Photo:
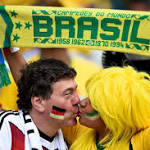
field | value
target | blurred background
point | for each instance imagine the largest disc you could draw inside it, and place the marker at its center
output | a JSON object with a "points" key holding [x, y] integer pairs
{"points": [[79, 58]]}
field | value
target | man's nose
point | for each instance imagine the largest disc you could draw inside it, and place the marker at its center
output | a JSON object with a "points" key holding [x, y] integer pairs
{"points": [[76, 99]]}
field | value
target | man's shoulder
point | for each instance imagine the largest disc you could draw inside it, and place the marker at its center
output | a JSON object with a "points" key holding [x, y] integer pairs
{"points": [[8, 116]]}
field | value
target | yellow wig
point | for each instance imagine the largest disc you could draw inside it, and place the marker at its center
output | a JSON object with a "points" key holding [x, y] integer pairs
{"points": [[122, 98]]}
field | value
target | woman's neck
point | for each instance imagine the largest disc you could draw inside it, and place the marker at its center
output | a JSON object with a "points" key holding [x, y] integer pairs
{"points": [[101, 133]]}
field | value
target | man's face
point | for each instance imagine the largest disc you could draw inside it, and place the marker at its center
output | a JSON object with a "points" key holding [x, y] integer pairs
{"points": [[65, 96]]}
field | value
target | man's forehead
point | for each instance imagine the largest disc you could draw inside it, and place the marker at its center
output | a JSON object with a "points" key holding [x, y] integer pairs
{"points": [[65, 83]]}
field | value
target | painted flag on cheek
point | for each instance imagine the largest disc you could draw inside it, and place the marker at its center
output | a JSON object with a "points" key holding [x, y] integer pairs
{"points": [[92, 116], [57, 113]]}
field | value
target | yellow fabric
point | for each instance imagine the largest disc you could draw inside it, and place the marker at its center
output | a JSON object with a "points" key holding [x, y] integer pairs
{"points": [[85, 139], [8, 95], [80, 137], [80, 50], [103, 29], [86, 3], [72, 133], [88, 144]]}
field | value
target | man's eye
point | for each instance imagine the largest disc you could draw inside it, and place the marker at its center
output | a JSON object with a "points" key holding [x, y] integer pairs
{"points": [[67, 94]]}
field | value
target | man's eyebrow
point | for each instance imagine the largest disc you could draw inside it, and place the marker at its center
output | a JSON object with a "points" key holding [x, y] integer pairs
{"points": [[70, 89]]}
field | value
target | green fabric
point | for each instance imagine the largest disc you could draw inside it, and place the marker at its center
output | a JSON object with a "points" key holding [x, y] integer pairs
{"points": [[99, 147], [4, 78]]}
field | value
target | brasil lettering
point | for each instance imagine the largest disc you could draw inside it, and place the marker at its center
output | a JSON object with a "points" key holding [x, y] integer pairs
{"points": [[115, 30], [92, 27]]}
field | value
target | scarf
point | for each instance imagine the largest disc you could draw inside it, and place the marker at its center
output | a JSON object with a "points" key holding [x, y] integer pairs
{"points": [[103, 29], [4, 78]]}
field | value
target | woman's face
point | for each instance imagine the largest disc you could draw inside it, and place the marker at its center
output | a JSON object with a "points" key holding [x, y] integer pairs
{"points": [[88, 116]]}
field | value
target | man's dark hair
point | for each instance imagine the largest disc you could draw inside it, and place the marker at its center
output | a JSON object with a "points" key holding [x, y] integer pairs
{"points": [[38, 78]]}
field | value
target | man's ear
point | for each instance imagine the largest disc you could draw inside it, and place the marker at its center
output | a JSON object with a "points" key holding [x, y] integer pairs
{"points": [[38, 103]]}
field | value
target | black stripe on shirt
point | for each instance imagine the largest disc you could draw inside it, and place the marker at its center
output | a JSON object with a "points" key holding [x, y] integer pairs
{"points": [[46, 137], [30, 131], [4, 114], [25, 119]]}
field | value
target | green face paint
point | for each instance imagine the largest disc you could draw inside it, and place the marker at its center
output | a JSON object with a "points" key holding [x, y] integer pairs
{"points": [[92, 116]]}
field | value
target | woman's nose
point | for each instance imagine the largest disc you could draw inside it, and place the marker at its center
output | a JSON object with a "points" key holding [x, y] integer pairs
{"points": [[84, 103], [85, 106]]}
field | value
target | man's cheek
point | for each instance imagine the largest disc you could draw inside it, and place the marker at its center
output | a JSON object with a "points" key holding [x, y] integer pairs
{"points": [[57, 112], [68, 107]]}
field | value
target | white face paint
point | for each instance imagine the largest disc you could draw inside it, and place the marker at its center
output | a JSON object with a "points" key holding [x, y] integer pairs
{"points": [[82, 98]]}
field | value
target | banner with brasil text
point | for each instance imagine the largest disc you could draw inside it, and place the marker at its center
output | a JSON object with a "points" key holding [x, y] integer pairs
{"points": [[114, 30]]}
